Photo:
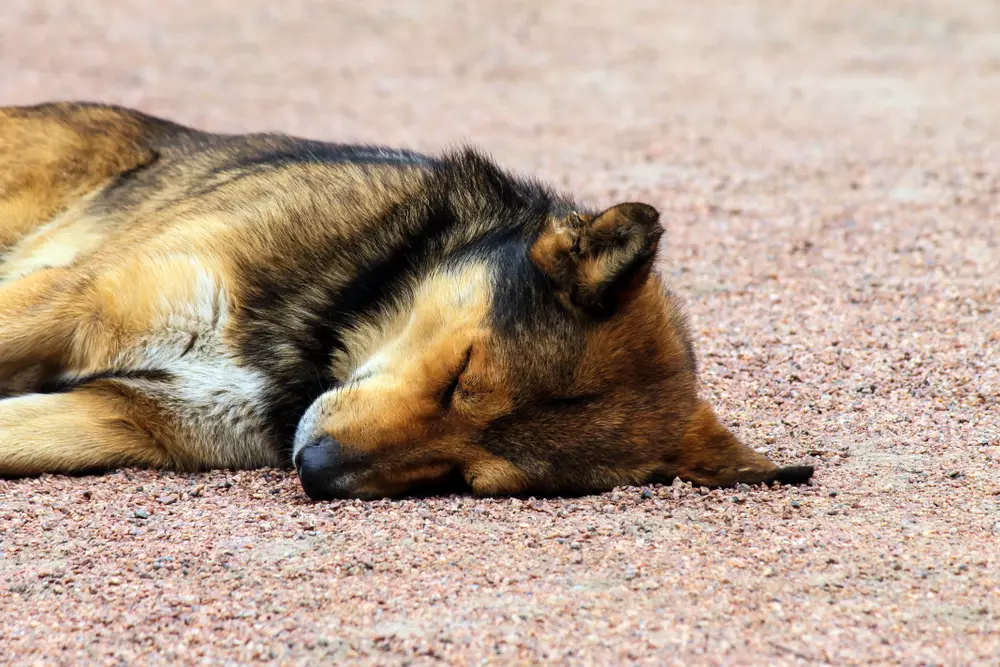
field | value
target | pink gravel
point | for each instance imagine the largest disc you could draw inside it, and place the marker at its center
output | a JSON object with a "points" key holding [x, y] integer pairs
{"points": [[828, 173]]}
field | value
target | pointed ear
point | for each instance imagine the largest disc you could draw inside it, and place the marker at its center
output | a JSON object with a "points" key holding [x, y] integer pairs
{"points": [[595, 261]]}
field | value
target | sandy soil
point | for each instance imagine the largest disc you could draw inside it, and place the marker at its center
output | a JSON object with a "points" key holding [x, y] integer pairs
{"points": [[828, 173]]}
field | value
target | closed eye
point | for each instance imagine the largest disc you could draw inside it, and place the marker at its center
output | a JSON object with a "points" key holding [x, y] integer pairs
{"points": [[448, 395], [569, 402]]}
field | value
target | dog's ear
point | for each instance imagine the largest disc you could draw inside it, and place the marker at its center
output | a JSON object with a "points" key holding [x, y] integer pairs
{"points": [[595, 261]]}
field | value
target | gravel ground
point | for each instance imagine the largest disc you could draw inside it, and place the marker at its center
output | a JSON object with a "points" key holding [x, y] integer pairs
{"points": [[828, 172]]}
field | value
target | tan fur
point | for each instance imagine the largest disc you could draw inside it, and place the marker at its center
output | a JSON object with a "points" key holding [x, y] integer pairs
{"points": [[49, 160], [98, 427]]}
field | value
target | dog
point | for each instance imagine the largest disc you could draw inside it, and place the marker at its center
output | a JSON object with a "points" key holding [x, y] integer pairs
{"points": [[380, 319]]}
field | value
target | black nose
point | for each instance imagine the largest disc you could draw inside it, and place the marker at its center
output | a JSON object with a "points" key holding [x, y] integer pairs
{"points": [[319, 464]]}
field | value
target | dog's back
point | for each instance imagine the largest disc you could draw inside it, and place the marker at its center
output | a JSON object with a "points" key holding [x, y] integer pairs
{"points": [[387, 319], [79, 159]]}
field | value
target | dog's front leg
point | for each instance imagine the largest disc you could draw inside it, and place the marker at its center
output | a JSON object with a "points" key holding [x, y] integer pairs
{"points": [[95, 427], [39, 314]]}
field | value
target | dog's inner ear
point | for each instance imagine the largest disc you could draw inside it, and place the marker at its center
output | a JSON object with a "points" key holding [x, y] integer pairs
{"points": [[596, 261]]}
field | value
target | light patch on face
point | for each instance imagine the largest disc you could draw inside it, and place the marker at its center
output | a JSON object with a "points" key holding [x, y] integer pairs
{"points": [[395, 371], [446, 299]]}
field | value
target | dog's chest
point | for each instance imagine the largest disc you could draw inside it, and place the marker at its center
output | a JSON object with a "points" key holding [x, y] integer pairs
{"points": [[215, 399]]}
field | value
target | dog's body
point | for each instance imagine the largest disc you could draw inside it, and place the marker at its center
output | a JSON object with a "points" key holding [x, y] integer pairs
{"points": [[185, 300]]}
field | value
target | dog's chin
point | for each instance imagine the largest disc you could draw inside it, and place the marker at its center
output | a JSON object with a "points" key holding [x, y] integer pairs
{"points": [[452, 484], [352, 487]]}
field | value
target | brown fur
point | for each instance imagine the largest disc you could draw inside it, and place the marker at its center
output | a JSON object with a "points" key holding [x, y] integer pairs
{"points": [[178, 299]]}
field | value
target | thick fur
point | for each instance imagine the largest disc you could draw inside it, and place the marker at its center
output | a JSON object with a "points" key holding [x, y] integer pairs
{"points": [[384, 319]]}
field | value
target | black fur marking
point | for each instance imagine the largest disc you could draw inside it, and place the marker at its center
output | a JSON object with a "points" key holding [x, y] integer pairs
{"points": [[130, 174], [519, 287], [190, 345], [64, 385], [570, 402], [303, 151], [290, 150]]}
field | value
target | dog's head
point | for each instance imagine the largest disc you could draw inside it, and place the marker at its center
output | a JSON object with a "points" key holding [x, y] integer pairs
{"points": [[548, 365]]}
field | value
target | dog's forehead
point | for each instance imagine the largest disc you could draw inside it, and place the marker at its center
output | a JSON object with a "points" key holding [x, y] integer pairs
{"points": [[462, 286]]}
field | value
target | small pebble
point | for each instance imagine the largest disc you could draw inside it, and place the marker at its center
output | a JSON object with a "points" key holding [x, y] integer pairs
{"points": [[140, 513]]}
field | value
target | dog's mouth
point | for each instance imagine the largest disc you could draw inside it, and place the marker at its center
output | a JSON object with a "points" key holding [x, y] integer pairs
{"points": [[326, 474], [350, 487]]}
